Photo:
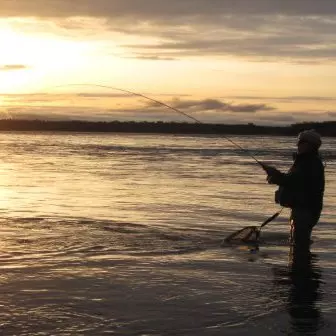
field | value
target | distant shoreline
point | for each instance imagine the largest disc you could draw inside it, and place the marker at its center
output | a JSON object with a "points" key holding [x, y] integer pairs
{"points": [[327, 128]]}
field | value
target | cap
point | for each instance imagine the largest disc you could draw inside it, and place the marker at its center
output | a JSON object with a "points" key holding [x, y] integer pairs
{"points": [[310, 136]]}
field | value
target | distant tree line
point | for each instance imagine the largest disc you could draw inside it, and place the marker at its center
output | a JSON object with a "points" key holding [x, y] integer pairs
{"points": [[327, 128]]}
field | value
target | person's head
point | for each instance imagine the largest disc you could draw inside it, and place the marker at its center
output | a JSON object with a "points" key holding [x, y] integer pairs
{"points": [[308, 141]]}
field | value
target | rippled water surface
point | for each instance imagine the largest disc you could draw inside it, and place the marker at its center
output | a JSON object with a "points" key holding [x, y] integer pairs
{"points": [[121, 234]]}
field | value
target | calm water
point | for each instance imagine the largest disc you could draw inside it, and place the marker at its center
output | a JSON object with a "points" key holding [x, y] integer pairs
{"points": [[120, 234]]}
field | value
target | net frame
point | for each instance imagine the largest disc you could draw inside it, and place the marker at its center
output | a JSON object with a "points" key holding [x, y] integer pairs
{"points": [[237, 236], [246, 234]]}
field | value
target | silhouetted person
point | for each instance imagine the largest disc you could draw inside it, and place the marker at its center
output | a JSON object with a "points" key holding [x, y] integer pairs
{"points": [[302, 188]]}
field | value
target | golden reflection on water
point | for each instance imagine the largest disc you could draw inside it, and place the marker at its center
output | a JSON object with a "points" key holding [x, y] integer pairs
{"points": [[101, 240]]}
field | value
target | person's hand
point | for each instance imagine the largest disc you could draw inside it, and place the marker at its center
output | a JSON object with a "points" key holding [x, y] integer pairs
{"points": [[270, 179], [270, 171]]}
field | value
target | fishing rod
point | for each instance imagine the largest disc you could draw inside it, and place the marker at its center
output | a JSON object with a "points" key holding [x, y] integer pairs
{"points": [[172, 108], [248, 231]]}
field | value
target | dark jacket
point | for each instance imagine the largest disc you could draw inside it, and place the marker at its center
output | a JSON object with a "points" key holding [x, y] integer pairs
{"points": [[303, 185]]}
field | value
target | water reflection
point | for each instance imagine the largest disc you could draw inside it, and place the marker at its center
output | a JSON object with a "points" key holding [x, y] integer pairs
{"points": [[300, 285]]}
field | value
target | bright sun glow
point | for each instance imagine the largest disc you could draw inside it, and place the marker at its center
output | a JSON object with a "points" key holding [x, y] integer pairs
{"points": [[39, 57]]}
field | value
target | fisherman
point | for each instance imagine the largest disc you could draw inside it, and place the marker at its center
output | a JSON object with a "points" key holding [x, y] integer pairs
{"points": [[302, 188]]}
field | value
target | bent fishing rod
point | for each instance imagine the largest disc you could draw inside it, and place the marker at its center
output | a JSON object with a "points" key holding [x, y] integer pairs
{"points": [[170, 107], [265, 167]]}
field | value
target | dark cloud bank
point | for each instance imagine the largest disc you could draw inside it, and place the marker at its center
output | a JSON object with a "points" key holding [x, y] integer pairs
{"points": [[149, 9], [293, 30]]}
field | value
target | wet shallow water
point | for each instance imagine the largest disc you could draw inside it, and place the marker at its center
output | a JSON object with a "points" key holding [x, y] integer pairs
{"points": [[121, 234]]}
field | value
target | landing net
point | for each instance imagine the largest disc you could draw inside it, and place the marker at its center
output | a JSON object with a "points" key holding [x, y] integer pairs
{"points": [[246, 235]]}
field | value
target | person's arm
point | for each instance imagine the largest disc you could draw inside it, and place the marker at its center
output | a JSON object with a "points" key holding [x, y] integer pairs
{"points": [[296, 177], [292, 178]]}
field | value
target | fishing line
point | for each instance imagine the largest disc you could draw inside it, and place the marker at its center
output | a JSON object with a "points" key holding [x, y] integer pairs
{"points": [[248, 231], [168, 106]]}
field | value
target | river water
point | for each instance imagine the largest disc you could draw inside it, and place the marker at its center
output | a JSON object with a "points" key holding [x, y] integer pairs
{"points": [[121, 234]]}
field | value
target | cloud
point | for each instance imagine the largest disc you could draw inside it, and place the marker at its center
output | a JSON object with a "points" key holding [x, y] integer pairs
{"points": [[296, 31], [101, 106], [56, 113], [69, 98], [280, 45], [52, 98], [13, 67], [101, 95], [286, 98], [120, 100], [80, 105], [149, 9], [216, 105], [141, 114], [149, 57], [88, 114], [123, 94]]}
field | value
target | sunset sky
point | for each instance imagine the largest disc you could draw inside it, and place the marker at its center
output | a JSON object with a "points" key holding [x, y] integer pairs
{"points": [[262, 61]]}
